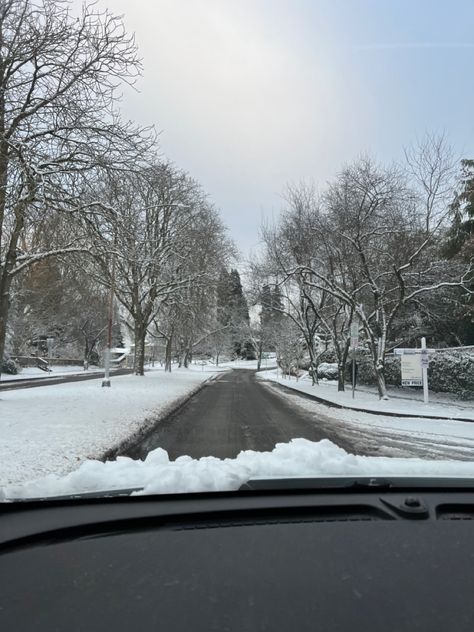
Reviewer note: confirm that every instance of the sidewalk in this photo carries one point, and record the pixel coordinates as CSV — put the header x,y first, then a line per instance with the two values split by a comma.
x,y
400,404
33,373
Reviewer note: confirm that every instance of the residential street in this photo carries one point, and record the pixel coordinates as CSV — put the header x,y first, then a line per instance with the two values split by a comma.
x,y
237,412
240,412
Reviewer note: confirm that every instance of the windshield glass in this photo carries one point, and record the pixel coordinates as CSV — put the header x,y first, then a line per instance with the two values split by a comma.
x,y
236,242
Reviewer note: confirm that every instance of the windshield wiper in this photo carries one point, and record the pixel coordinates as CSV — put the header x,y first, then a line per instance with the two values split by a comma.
x,y
369,483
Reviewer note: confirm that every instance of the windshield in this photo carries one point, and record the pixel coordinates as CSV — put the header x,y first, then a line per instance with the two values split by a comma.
x,y
236,242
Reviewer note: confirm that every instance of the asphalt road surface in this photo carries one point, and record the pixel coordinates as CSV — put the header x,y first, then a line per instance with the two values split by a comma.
x,y
235,413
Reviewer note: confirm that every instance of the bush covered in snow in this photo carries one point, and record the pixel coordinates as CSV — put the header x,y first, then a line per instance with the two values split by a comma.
x,y
9,366
328,356
366,373
327,370
453,372
449,372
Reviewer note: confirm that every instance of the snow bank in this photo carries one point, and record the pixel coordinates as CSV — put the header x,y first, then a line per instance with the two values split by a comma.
x,y
158,475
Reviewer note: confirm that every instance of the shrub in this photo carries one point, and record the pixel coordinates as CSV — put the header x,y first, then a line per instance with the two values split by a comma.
x,y
327,370
449,372
9,366
452,372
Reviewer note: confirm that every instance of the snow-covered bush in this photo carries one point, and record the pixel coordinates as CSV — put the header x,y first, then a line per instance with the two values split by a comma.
x,y
9,366
449,372
452,372
327,370
329,355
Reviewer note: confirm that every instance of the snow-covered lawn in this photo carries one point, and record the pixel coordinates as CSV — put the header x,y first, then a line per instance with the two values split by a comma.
x,y
404,402
55,428
299,457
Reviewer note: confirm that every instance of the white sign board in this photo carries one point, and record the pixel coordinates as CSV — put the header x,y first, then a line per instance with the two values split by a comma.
x,y
411,369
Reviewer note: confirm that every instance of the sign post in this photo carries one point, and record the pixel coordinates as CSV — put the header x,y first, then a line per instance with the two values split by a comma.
x,y
424,368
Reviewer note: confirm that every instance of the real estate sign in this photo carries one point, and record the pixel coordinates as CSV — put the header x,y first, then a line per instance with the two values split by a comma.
x,y
411,369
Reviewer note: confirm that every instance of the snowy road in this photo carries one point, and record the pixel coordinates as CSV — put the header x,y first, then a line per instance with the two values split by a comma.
x,y
235,413
239,412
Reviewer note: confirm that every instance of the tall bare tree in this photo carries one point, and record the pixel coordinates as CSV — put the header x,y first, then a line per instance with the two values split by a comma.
x,y
58,78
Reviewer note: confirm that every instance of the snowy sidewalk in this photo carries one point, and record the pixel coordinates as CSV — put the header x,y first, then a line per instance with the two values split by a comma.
x,y
53,429
367,400
33,373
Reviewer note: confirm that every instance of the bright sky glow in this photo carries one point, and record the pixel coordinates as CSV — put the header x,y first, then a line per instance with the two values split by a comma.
x,y
251,94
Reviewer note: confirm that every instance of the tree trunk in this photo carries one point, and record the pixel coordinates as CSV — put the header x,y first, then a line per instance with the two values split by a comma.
x,y
6,280
139,356
169,345
313,365
187,358
4,307
340,377
380,377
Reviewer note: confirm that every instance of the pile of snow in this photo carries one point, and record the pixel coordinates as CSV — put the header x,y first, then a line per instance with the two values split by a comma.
x,y
158,475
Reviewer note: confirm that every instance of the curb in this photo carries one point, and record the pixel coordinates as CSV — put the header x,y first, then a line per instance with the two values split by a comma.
x,y
331,404
150,422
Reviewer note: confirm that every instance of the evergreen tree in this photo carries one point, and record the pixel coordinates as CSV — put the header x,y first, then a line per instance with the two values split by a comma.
x,y
460,244
232,308
461,234
223,298
238,302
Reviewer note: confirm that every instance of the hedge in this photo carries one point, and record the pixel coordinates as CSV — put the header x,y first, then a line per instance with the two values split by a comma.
x,y
449,372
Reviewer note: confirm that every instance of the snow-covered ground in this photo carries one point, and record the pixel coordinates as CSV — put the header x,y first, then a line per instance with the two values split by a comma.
x,y
158,475
56,371
404,402
54,434
55,428
381,435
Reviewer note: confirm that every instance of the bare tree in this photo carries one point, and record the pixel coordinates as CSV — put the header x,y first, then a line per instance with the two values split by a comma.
x,y
369,253
58,80
155,242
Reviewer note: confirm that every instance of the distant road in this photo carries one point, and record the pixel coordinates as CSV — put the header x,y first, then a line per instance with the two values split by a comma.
x,y
234,413
9,385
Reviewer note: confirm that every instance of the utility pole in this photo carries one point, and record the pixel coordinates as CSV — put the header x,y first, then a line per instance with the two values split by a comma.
x,y
110,317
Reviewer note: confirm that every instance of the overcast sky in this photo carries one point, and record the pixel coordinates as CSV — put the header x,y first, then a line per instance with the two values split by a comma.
x,y
251,94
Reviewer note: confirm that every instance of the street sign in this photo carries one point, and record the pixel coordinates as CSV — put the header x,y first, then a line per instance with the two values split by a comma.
x,y
425,359
354,335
